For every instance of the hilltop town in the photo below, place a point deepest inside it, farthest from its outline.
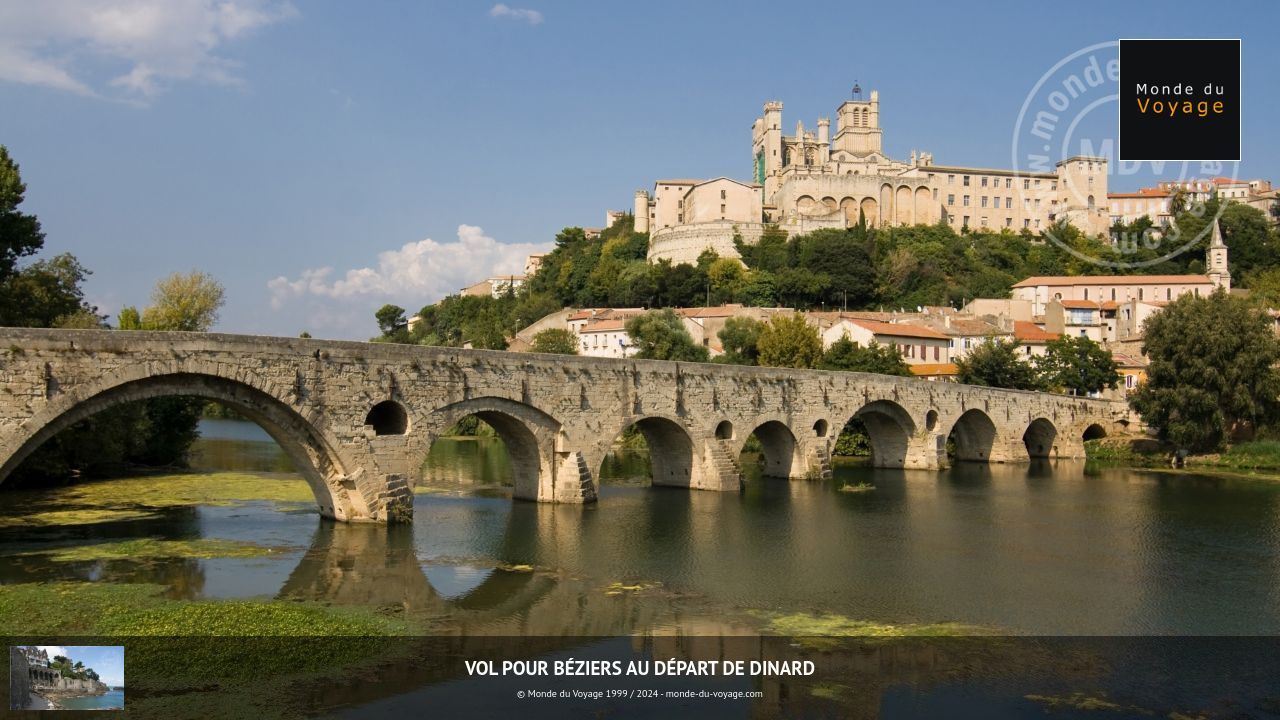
(929, 260)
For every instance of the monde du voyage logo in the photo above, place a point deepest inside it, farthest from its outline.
(1180, 100)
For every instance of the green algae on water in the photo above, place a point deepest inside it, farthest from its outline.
(81, 516)
(71, 608)
(138, 498)
(202, 549)
(831, 625)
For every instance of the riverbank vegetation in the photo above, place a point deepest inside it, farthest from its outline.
(1212, 376)
(1253, 457)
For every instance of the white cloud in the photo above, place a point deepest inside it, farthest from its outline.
(533, 17)
(135, 46)
(52, 650)
(418, 273)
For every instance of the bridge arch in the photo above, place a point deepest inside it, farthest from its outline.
(528, 433)
(889, 428)
(779, 449)
(671, 455)
(1039, 437)
(312, 449)
(1093, 431)
(974, 435)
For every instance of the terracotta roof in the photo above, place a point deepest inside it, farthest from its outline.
(1081, 304)
(1110, 305)
(1130, 361)
(974, 327)
(603, 326)
(897, 329)
(582, 315)
(1030, 332)
(1069, 280)
(935, 369)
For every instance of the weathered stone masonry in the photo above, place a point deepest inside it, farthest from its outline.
(358, 419)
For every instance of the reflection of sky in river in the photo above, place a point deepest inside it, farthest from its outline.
(453, 581)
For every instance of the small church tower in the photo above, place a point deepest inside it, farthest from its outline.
(1216, 260)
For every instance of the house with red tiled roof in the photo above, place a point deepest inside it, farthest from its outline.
(937, 372)
(916, 344)
(1032, 338)
(606, 338)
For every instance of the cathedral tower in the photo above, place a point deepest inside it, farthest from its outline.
(858, 127)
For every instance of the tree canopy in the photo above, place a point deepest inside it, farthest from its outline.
(739, 337)
(788, 340)
(997, 363)
(1212, 371)
(845, 354)
(556, 341)
(660, 335)
(1077, 365)
(184, 301)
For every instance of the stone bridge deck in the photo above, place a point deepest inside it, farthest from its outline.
(358, 419)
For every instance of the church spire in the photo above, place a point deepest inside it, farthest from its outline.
(1216, 259)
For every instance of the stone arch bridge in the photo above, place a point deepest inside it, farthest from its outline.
(358, 419)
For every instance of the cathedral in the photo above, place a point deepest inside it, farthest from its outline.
(808, 181)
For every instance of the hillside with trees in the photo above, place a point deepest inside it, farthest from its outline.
(858, 268)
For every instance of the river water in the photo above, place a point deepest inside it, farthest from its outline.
(1047, 549)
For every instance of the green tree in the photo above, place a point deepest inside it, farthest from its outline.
(1264, 286)
(1212, 374)
(660, 335)
(20, 234)
(740, 337)
(129, 318)
(184, 301)
(845, 354)
(1249, 235)
(41, 293)
(997, 363)
(556, 341)
(1077, 365)
(390, 319)
(789, 341)
(81, 319)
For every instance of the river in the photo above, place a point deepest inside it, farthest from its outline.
(1040, 549)
(1048, 549)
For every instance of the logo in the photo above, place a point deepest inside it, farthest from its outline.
(1065, 151)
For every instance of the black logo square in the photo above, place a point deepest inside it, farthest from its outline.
(1180, 100)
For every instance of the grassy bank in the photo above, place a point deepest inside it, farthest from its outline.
(1255, 457)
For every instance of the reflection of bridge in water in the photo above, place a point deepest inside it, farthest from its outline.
(514, 615)
(357, 419)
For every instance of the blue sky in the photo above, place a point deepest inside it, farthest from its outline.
(410, 148)
(106, 660)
